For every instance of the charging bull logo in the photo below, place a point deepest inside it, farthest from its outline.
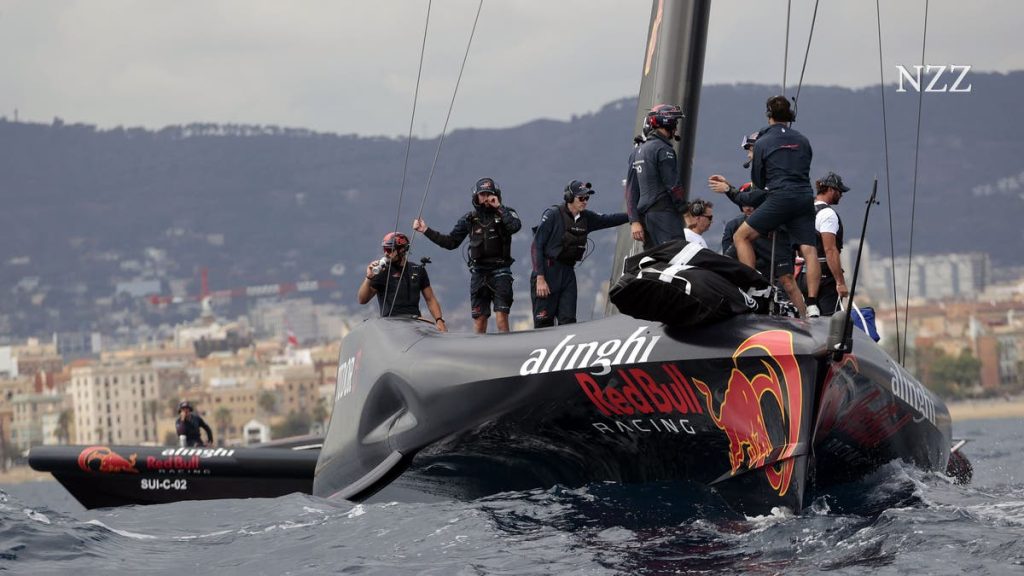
(740, 414)
(103, 459)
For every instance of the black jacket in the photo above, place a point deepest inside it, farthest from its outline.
(503, 223)
(190, 426)
(547, 239)
(782, 160)
(657, 178)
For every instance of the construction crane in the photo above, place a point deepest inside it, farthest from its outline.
(245, 292)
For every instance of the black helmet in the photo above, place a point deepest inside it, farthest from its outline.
(487, 186)
(183, 405)
(663, 116)
(395, 241)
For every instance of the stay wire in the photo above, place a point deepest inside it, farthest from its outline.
(444, 131)
(451, 106)
(888, 183)
(785, 50)
(408, 148)
(807, 53)
(913, 197)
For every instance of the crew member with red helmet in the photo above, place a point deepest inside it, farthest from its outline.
(398, 283)
(655, 201)
(490, 226)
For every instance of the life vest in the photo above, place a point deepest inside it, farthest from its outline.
(489, 242)
(574, 237)
(839, 234)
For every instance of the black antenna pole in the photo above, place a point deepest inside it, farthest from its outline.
(841, 334)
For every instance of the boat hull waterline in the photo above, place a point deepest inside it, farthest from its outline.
(753, 408)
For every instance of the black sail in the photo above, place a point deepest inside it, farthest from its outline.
(672, 73)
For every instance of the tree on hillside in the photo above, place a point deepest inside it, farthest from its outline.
(296, 424)
(268, 402)
(320, 412)
(64, 426)
(951, 376)
(222, 419)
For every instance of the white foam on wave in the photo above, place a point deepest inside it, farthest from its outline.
(778, 515)
(37, 516)
(125, 533)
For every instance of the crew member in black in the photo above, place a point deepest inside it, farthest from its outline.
(656, 202)
(781, 166)
(559, 242)
(490, 226)
(775, 245)
(830, 242)
(398, 283)
(189, 424)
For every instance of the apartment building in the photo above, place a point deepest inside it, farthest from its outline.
(115, 403)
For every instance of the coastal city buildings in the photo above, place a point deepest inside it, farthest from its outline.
(271, 373)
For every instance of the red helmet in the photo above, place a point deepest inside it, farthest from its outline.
(663, 116)
(395, 241)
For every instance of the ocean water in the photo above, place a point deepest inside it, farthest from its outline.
(900, 521)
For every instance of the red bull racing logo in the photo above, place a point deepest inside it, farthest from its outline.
(103, 459)
(741, 415)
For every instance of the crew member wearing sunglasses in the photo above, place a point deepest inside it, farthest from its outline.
(559, 242)
(398, 283)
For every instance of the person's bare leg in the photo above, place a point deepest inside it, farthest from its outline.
(480, 324)
(793, 291)
(812, 268)
(743, 240)
(501, 319)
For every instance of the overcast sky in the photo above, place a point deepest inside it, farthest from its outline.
(349, 66)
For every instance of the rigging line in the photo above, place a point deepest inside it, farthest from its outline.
(444, 130)
(785, 52)
(888, 184)
(408, 144)
(451, 106)
(807, 52)
(913, 197)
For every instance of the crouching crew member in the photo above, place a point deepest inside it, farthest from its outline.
(698, 217)
(829, 227)
(398, 283)
(490, 226)
(559, 242)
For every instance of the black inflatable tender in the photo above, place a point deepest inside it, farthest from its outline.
(682, 284)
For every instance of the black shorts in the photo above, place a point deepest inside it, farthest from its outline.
(795, 210)
(490, 286)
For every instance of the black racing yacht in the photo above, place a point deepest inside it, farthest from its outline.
(759, 410)
(688, 387)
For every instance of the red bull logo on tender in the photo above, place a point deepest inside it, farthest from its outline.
(103, 459)
(740, 414)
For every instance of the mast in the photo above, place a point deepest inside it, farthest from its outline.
(672, 73)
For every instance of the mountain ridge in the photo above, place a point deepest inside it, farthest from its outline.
(87, 207)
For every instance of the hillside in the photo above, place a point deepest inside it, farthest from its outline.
(84, 209)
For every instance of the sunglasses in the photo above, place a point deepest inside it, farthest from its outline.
(389, 250)
(583, 199)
